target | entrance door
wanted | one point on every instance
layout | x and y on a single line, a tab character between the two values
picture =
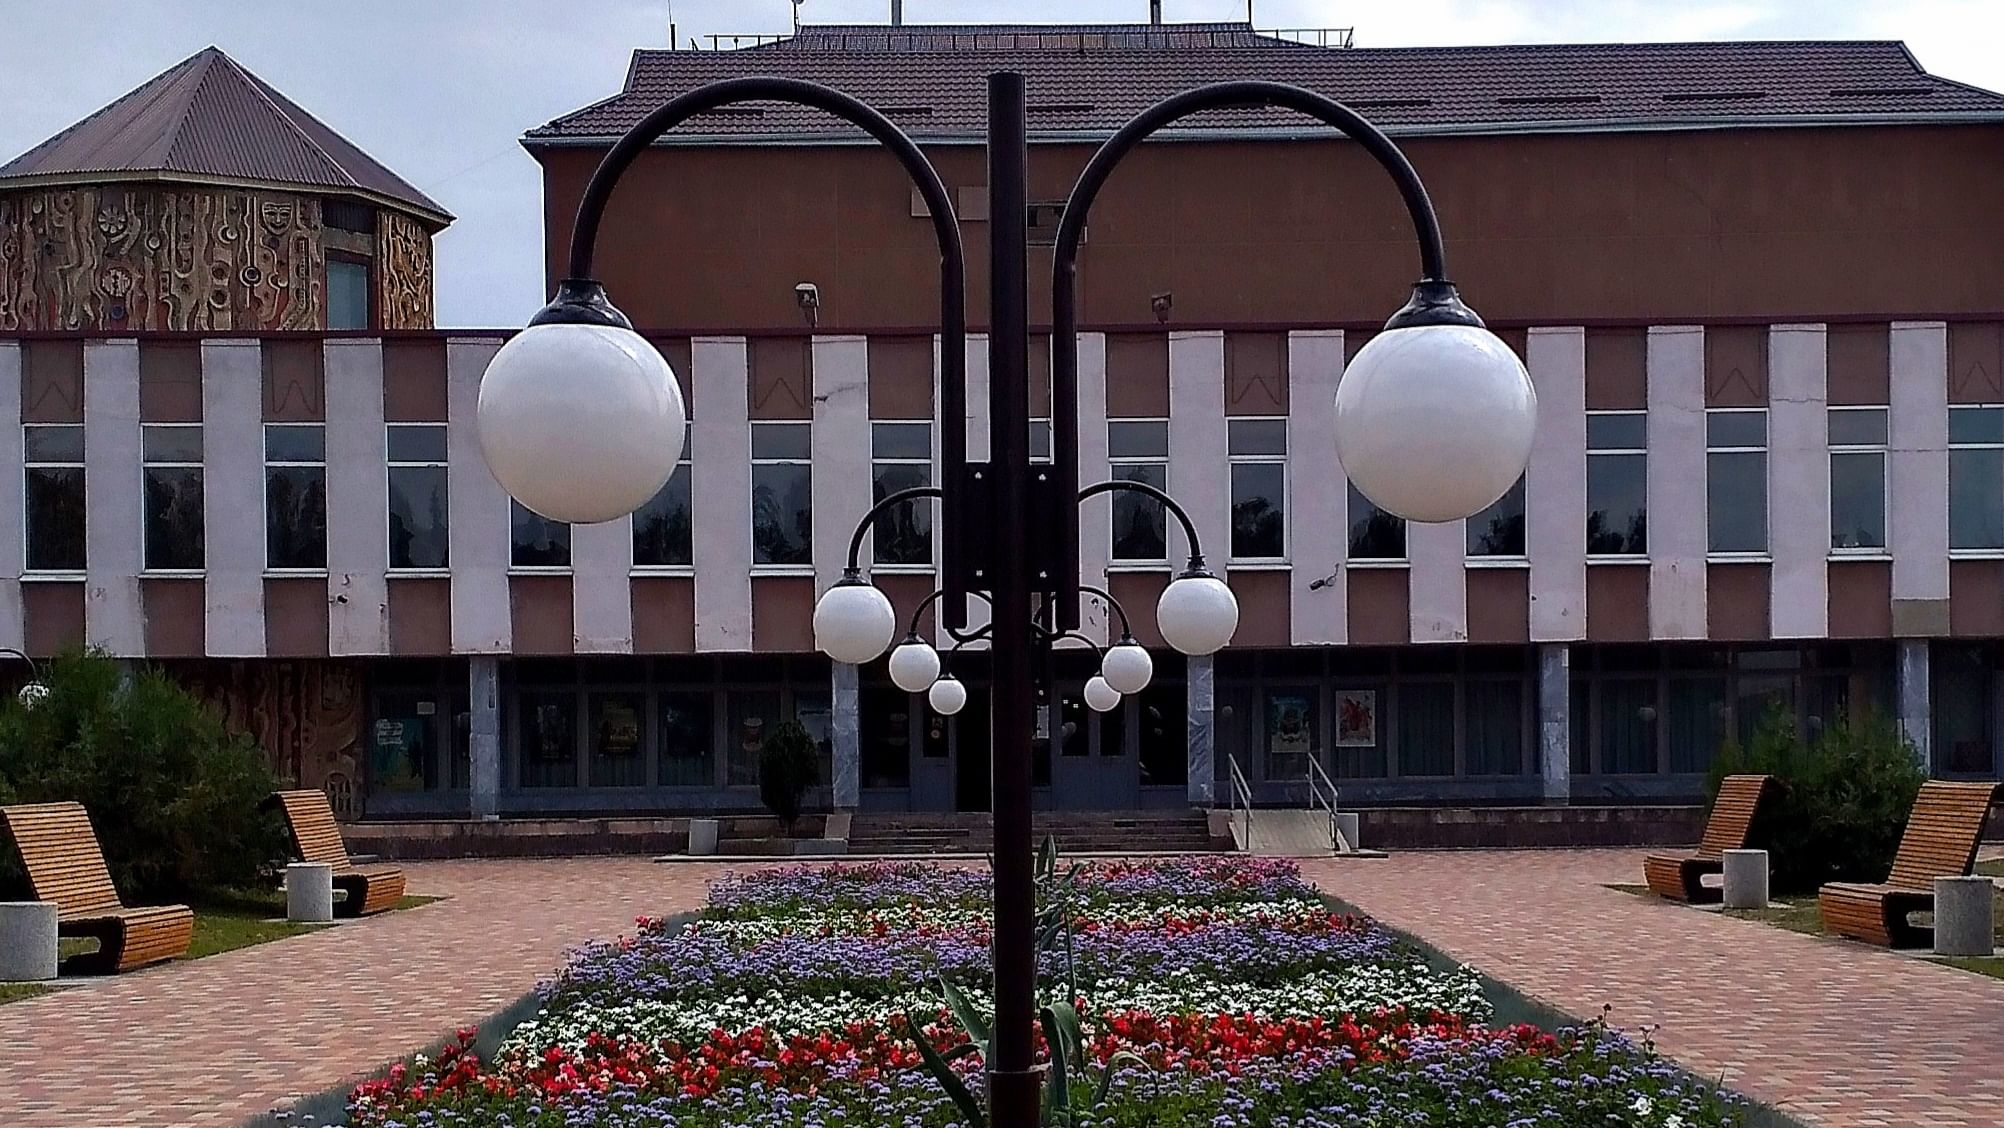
1094	769
972	776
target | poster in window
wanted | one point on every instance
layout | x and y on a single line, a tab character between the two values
1357	718
1290	722
392	764
618	729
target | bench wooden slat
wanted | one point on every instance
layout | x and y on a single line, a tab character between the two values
317	837
1727	827
66	867
1940	840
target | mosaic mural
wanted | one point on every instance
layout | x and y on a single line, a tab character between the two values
307	716
403	249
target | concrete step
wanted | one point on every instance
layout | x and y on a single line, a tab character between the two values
1076	832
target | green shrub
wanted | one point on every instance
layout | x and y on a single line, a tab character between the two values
1842	803
787	767
174	797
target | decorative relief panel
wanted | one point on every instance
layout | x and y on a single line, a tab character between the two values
403	255
153	258
307	716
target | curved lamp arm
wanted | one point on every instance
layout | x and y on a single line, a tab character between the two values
34	670
869	520
911	629
1106	597
1433	301
1169	503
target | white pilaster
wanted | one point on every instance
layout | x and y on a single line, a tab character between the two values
1199	465
977	451
1798	461
1437	603
1318	505
13	519
1096	516
1916	517
601	589
233	498
477	541
720	488
1555	485
842	452
1679	535
113	616
358	500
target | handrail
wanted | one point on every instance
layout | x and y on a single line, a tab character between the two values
1241	802
1322	792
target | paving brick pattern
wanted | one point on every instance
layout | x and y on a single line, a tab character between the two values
214	1041
1837	1034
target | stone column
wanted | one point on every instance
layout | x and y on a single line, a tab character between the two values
1915	705
1555	721
484	696
1199	690
845	730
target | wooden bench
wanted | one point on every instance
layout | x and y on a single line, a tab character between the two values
66	866
1679	876
318	838
1940	841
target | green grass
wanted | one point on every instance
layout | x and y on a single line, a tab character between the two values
237	919
15	992
1799	914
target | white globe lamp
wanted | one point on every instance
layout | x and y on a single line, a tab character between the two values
579	418
32	694
1127	667
914	665
853	621
1101	696
1197	614
947	696
1435	415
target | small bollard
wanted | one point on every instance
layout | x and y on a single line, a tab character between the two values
1963	925
703	836
1746	879
309	892
1346	831
27	941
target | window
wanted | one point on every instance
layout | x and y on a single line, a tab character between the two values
55	488
1426	728
1976	477
1493	723
901	460
1162	734
1499	529
1040	440
1138	451
782	482
295	496
1616	493
618	757
1374	533
547	739
686	739
663	529
1736	479
535	541
1858	479
348	294
886	732
1259	488
419	514
755	716
172	453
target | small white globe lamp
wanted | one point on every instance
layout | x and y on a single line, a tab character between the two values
853	621
947	696
579	418
1197	614
1127	666
914	665
1435	415
32	694
1102	697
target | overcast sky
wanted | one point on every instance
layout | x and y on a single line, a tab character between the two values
440	90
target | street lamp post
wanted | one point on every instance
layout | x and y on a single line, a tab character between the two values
1433	422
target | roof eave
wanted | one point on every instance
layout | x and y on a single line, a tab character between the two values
437	219
535	141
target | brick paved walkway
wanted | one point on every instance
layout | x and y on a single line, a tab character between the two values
221	1039
1834	1033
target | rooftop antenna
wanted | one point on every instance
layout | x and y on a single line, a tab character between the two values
673	39
796	15
1155	12
897	13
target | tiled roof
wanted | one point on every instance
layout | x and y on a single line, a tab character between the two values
1023	37
933	87
209	117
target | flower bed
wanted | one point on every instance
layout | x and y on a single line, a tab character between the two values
1209	991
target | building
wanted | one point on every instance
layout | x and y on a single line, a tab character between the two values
206	201
1753	282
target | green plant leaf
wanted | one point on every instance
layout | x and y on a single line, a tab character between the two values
971	1020
1047	858
1106	1077
1058	1092
956	1089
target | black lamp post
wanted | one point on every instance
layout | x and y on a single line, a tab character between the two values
1439	430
